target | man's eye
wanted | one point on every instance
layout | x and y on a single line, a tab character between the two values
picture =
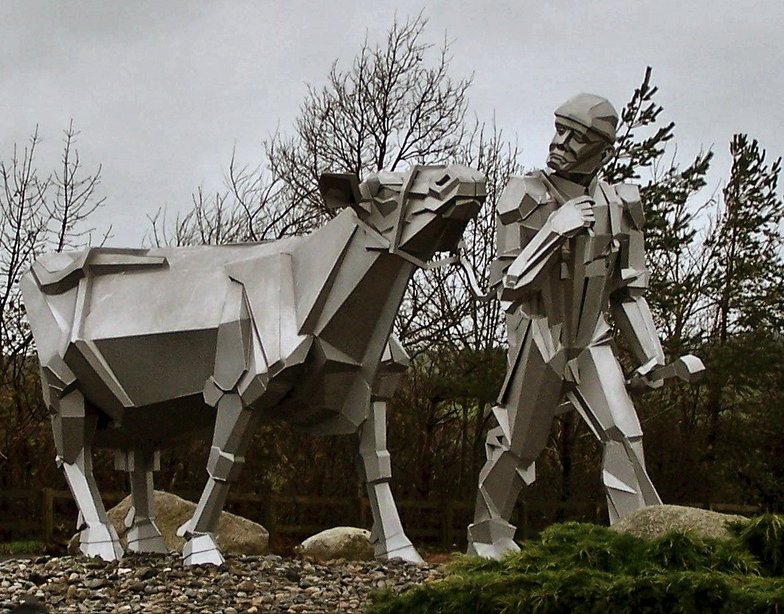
579	138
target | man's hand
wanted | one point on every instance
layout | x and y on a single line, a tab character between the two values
643	377
564	222
572	216
688	368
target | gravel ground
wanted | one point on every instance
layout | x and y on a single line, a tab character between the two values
161	584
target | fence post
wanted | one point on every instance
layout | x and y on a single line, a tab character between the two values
272	515
47	514
448	524
361	510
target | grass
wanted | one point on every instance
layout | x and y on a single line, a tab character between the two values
578	568
30	546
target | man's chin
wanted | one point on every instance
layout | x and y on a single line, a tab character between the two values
558	164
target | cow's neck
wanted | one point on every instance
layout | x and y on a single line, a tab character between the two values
349	287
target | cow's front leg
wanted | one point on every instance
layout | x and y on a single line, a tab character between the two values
73	431
233	430
387	535
143	535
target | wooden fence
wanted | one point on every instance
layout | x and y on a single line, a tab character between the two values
50	514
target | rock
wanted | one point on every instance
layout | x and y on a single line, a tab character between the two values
656	520
338	543
145	573
236	535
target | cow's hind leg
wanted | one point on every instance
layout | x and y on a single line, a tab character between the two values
233	430
143	534
388	536
73	430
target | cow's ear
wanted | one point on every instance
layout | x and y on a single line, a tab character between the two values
339	190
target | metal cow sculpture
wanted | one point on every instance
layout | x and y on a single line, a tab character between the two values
140	349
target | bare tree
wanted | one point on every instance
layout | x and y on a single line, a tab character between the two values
396	105
455	340
74	200
442	307
23	233
37	213
254	205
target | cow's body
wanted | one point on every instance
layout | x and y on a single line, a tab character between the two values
142	348
167	317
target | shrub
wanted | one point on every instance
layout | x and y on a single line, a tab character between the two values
764	538
587	568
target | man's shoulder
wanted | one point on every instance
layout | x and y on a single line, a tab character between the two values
522	195
629	196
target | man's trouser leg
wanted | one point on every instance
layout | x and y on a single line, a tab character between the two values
527	405
602	400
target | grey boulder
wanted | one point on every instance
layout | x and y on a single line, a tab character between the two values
348	543
656	520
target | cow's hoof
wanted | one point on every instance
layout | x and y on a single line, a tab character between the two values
144	536
496	550
185	528
201	549
492	539
407	553
100	540
399	547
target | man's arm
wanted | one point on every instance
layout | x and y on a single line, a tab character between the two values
564	222
629	308
633	317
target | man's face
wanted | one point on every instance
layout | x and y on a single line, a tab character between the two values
575	150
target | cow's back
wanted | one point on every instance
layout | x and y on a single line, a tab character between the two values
140	336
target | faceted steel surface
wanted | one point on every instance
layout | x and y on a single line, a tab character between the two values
140	349
570	251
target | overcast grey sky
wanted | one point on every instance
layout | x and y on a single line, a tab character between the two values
162	91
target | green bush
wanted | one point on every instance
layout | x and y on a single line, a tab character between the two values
587	568
764	538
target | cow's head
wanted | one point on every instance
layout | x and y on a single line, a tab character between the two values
420	212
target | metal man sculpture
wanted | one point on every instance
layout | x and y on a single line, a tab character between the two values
570	248
142	348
